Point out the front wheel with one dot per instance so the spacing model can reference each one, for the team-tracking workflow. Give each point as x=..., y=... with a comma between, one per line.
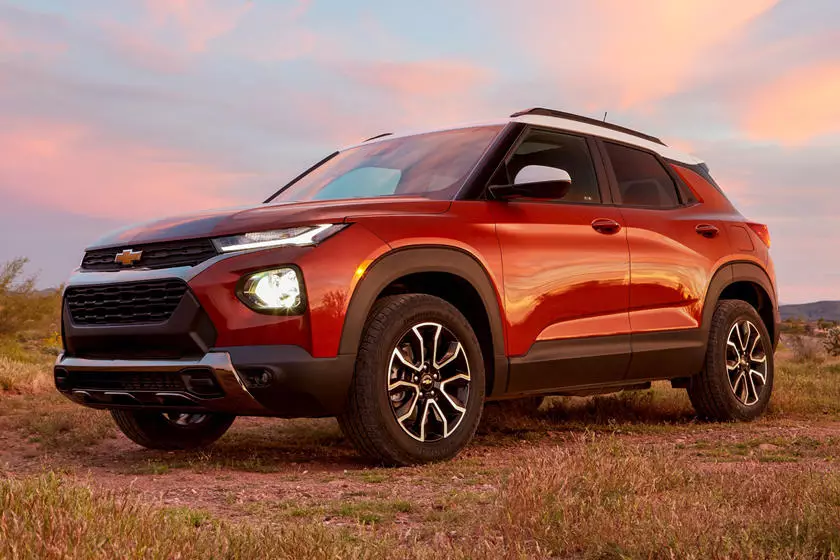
x=418, y=390
x=171, y=430
x=738, y=377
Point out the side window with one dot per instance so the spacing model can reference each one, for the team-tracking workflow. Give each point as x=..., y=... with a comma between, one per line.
x=561, y=151
x=642, y=181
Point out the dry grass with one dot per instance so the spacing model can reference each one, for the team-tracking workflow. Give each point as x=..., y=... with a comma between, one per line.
x=607, y=499
x=597, y=497
x=22, y=377
x=806, y=389
x=45, y=517
x=630, y=475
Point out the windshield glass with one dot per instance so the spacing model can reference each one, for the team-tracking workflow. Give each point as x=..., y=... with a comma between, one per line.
x=432, y=165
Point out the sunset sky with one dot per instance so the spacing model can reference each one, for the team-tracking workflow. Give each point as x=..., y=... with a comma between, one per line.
x=114, y=111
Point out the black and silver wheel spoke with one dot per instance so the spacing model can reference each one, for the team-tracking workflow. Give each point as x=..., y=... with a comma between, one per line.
x=746, y=362
x=185, y=419
x=429, y=382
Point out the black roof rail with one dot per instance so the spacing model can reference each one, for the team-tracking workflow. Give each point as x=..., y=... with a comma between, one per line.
x=595, y=122
x=377, y=136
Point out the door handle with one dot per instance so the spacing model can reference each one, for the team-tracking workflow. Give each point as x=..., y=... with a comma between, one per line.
x=707, y=230
x=606, y=226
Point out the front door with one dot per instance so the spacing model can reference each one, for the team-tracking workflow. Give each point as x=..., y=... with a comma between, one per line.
x=566, y=272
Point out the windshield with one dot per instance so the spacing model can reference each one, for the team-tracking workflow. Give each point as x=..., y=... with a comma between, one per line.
x=432, y=165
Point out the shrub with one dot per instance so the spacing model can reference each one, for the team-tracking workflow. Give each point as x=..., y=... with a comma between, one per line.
x=832, y=341
x=804, y=348
x=22, y=307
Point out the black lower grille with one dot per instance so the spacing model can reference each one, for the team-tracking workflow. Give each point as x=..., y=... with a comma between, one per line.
x=189, y=252
x=199, y=382
x=130, y=303
x=131, y=381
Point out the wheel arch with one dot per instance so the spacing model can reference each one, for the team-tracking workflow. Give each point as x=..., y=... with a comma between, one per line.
x=447, y=272
x=748, y=282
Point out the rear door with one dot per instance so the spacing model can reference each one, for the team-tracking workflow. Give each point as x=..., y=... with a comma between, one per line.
x=675, y=244
x=565, y=270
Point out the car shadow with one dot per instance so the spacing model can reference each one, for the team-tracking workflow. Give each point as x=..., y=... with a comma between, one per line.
x=268, y=445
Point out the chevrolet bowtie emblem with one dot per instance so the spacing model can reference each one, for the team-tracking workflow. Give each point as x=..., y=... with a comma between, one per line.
x=128, y=257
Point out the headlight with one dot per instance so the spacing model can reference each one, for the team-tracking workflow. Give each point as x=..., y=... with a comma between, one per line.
x=276, y=290
x=296, y=236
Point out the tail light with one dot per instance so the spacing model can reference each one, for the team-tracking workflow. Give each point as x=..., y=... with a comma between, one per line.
x=762, y=232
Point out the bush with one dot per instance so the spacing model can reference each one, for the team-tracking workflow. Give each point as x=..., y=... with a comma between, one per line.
x=22, y=307
x=832, y=342
x=804, y=348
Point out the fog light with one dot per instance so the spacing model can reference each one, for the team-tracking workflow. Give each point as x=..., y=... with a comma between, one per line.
x=273, y=290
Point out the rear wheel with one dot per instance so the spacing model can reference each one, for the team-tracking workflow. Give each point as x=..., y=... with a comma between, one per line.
x=171, y=430
x=418, y=389
x=738, y=377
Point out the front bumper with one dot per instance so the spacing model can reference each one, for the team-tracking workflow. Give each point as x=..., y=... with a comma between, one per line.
x=284, y=381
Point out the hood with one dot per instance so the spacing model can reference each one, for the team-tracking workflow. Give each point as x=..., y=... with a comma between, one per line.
x=262, y=217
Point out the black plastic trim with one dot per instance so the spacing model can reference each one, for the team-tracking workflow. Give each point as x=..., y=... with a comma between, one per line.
x=740, y=271
x=417, y=259
x=552, y=365
x=475, y=186
x=301, y=176
x=300, y=385
x=383, y=135
x=667, y=354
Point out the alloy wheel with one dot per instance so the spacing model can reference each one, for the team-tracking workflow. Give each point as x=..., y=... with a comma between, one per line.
x=429, y=382
x=185, y=419
x=746, y=362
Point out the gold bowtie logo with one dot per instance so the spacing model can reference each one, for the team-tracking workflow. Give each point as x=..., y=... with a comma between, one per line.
x=128, y=257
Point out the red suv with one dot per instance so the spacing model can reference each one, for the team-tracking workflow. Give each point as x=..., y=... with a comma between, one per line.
x=401, y=283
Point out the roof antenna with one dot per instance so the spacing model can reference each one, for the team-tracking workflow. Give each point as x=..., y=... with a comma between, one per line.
x=605, y=116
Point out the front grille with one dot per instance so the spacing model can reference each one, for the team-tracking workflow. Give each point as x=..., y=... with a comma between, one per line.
x=130, y=303
x=155, y=255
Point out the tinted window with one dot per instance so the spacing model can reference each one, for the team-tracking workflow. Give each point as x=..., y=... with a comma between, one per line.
x=432, y=165
x=562, y=151
x=642, y=181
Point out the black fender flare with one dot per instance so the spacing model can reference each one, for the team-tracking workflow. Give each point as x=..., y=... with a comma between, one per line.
x=730, y=273
x=411, y=260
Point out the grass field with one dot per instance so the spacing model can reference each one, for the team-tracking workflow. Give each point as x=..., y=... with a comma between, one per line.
x=632, y=475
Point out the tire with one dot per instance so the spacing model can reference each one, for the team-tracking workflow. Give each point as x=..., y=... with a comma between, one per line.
x=727, y=389
x=171, y=431
x=390, y=354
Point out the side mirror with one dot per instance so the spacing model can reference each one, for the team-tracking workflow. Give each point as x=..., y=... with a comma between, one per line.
x=535, y=181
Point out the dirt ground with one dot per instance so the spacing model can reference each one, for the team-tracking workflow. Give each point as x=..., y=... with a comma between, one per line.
x=270, y=470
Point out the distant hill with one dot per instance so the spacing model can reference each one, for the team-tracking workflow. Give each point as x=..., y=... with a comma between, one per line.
x=828, y=310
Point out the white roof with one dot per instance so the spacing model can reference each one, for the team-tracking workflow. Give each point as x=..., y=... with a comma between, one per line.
x=603, y=132
x=570, y=125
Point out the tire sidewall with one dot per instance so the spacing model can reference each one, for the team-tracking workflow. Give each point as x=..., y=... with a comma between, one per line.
x=739, y=410
x=445, y=314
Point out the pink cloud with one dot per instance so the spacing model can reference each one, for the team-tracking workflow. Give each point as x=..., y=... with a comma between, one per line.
x=68, y=166
x=425, y=77
x=140, y=49
x=795, y=107
x=426, y=92
x=198, y=21
x=15, y=43
x=616, y=54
